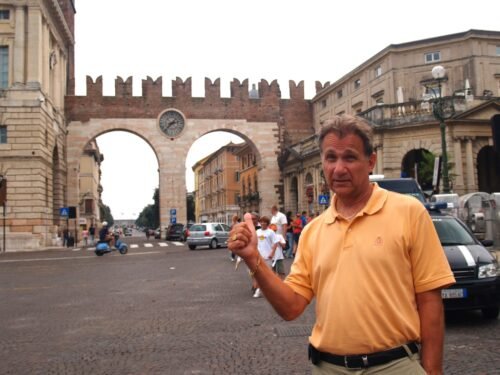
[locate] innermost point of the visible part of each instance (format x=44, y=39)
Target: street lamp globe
x=438, y=72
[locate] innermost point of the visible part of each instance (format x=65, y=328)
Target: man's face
x=274, y=211
x=345, y=165
x=255, y=220
x=264, y=224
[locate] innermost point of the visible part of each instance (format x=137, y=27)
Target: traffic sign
x=64, y=211
x=173, y=212
x=324, y=199
x=173, y=220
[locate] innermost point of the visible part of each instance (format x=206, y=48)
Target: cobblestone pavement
x=168, y=310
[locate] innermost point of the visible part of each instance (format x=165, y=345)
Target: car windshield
x=451, y=232
x=198, y=228
x=408, y=187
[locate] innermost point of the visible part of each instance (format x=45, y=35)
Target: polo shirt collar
x=374, y=204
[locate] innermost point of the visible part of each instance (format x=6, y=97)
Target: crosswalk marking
x=162, y=244
x=148, y=245
x=178, y=243
x=134, y=246
x=76, y=249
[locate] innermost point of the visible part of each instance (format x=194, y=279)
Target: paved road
x=163, y=309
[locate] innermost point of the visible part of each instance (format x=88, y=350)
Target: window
x=4, y=14
x=357, y=84
x=498, y=50
x=89, y=206
x=432, y=57
x=4, y=67
x=237, y=176
x=3, y=134
x=323, y=104
x=340, y=94
x=378, y=71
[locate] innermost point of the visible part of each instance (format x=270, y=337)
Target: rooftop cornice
x=472, y=33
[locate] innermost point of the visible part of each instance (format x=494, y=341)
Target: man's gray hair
x=347, y=124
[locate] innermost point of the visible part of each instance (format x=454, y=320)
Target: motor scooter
x=104, y=248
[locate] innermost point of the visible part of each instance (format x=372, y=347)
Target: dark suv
x=175, y=232
x=475, y=269
x=407, y=186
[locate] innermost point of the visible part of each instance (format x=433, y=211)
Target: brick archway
x=171, y=155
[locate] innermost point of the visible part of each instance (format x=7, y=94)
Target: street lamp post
x=438, y=110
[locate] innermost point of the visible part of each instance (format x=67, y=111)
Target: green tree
x=150, y=215
x=105, y=213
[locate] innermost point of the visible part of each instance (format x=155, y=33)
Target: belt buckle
x=364, y=359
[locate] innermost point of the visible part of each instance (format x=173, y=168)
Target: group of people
x=372, y=261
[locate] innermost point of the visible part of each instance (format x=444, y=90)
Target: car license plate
x=454, y=293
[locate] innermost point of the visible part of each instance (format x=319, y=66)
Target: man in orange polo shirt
x=372, y=260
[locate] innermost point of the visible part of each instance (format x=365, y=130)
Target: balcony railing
x=413, y=111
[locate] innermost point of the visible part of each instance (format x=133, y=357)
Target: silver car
x=212, y=235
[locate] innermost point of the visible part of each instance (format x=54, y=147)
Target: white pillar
x=379, y=168
x=19, y=47
x=469, y=162
x=459, y=172
x=35, y=46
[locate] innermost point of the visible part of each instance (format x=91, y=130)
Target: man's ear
x=372, y=161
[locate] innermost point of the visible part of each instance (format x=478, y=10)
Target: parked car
x=476, y=271
x=157, y=233
x=175, y=232
x=407, y=186
x=212, y=235
x=128, y=231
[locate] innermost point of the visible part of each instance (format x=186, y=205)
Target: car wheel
x=192, y=247
x=213, y=244
x=490, y=312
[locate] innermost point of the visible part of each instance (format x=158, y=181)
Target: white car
x=212, y=235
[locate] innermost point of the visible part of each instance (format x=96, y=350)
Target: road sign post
x=324, y=200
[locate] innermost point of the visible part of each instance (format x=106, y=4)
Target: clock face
x=171, y=123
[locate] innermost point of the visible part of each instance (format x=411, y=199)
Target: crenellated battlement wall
x=293, y=115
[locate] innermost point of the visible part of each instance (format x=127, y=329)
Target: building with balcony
x=217, y=187
x=394, y=90
x=248, y=197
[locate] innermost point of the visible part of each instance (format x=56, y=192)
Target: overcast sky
x=313, y=40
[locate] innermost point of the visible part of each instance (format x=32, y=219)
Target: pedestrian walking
x=279, y=219
x=297, y=225
x=372, y=260
x=289, y=236
x=235, y=219
x=65, y=236
x=92, y=234
x=85, y=236
x=277, y=256
x=148, y=233
x=266, y=243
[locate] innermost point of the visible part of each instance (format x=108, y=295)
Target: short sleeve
x=431, y=269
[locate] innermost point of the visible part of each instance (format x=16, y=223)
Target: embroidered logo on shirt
x=378, y=241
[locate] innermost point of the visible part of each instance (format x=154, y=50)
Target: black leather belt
x=361, y=361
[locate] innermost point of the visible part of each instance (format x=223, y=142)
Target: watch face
x=171, y=123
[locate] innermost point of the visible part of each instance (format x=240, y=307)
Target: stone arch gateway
x=172, y=155
x=264, y=122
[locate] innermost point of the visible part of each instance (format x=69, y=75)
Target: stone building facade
x=218, y=186
x=248, y=176
x=90, y=187
x=393, y=91
x=36, y=72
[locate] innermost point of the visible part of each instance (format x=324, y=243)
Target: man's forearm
x=430, y=308
x=288, y=304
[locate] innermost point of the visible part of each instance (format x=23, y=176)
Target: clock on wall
x=171, y=123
